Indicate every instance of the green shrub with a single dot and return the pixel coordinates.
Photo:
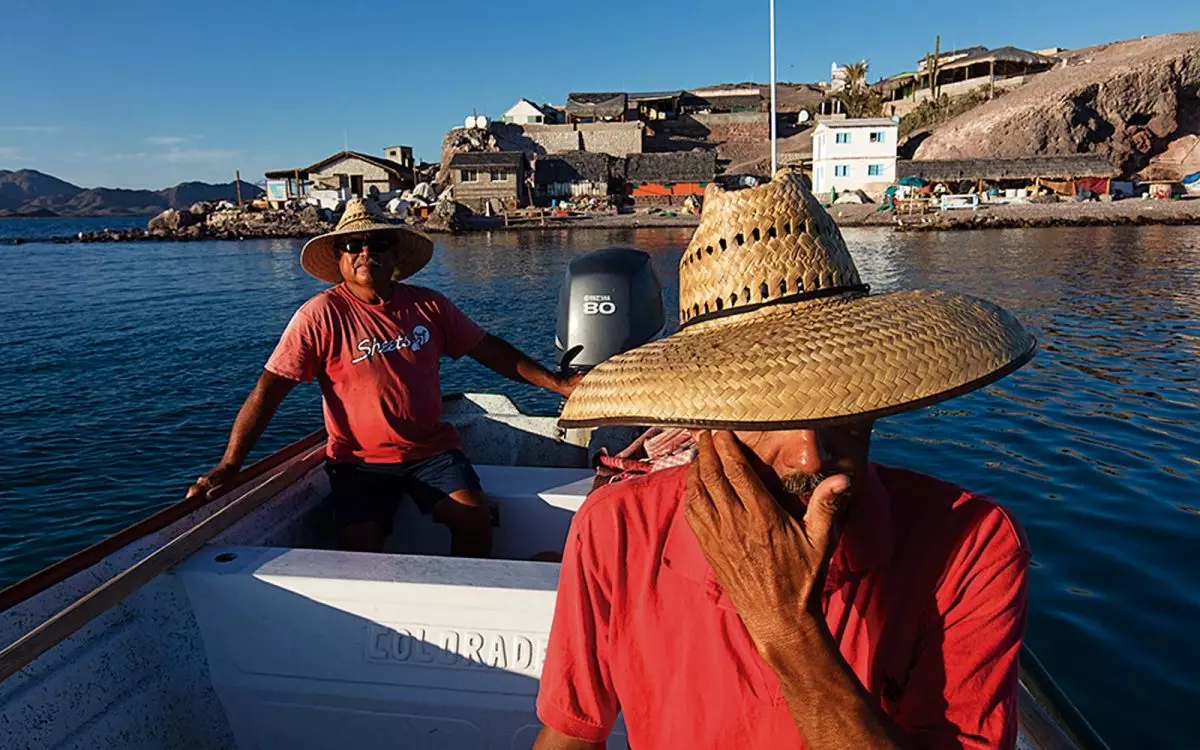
(931, 112)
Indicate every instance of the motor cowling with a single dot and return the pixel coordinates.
(610, 302)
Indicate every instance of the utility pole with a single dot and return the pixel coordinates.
(774, 146)
(237, 184)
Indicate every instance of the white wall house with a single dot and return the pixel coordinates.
(854, 155)
(525, 112)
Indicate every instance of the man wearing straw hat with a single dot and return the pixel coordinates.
(782, 591)
(374, 345)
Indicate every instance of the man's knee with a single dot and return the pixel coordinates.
(466, 513)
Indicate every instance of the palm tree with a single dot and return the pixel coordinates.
(856, 75)
(858, 98)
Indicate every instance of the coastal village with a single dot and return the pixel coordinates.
(967, 138)
(652, 153)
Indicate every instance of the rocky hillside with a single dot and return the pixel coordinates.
(1128, 101)
(29, 192)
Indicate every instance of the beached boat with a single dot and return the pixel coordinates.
(234, 624)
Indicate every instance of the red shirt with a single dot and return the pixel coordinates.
(925, 598)
(378, 369)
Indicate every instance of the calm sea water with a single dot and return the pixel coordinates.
(44, 229)
(125, 364)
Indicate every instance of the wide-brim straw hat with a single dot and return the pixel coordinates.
(320, 254)
(777, 331)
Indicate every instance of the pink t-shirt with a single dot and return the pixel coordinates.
(378, 369)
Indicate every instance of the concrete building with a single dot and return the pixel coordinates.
(490, 179)
(402, 155)
(724, 100)
(837, 77)
(344, 175)
(525, 112)
(961, 71)
(854, 155)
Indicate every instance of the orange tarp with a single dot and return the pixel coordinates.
(678, 188)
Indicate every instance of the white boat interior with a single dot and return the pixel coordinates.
(265, 637)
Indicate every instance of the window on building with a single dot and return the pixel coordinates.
(841, 170)
(874, 170)
(499, 175)
(878, 136)
(841, 138)
(468, 175)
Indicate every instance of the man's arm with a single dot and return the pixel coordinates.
(552, 739)
(773, 566)
(251, 420)
(498, 355)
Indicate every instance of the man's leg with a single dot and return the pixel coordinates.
(447, 487)
(363, 505)
(367, 536)
(466, 514)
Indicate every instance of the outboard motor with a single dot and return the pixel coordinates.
(610, 302)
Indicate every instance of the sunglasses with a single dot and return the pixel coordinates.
(356, 246)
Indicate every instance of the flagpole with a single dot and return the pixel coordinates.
(774, 147)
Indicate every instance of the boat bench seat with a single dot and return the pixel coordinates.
(534, 507)
(313, 648)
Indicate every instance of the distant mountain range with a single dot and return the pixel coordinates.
(28, 192)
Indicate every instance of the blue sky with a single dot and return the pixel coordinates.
(146, 94)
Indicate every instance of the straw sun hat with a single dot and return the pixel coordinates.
(778, 331)
(320, 254)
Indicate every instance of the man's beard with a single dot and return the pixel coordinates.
(802, 485)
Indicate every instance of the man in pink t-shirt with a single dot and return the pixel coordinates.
(374, 345)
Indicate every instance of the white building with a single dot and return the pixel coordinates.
(837, 77)
(854, 155)
(525, 112)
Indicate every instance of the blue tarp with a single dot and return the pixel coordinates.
(911, 182)
(1193, 177)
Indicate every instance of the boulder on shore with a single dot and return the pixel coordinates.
(200, 208)
(172, 220)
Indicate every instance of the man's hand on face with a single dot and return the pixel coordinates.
(771, 564)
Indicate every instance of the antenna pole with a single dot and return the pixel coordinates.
(774, 134)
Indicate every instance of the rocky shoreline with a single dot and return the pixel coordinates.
(1131, 212)
(227, 222)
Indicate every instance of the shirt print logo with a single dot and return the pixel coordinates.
(371, 347)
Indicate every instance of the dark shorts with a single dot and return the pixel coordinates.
(372, 492)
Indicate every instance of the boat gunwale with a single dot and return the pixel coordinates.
(77, 562)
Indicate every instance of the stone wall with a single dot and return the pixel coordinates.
(552, 139)
(616, 138)
(754, 127)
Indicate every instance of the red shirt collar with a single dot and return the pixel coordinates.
(865, 544)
